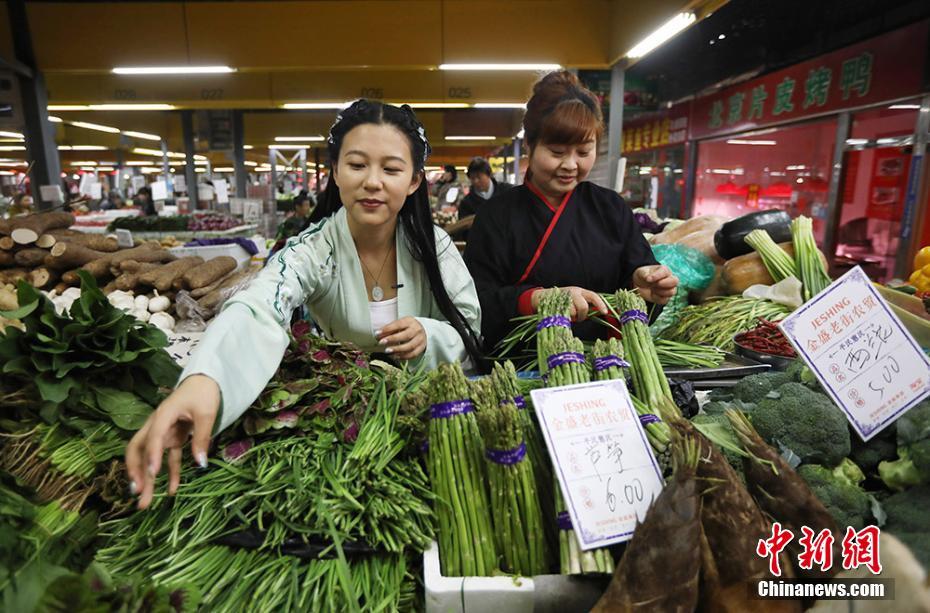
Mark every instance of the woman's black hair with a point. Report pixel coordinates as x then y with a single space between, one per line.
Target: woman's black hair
415 215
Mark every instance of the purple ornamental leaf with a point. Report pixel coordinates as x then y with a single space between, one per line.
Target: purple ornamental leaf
233 452
351 433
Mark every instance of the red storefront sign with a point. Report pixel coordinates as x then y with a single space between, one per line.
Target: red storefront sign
656 130
884 68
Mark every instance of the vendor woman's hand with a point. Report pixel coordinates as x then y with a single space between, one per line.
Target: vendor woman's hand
582 301
404 338
189 412
656 284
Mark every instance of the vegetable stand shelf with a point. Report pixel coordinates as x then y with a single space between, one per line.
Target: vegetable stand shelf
542 593
245 230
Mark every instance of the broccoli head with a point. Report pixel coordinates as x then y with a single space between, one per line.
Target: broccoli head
754 387
868 455
907 510
913 464
840 493
807 423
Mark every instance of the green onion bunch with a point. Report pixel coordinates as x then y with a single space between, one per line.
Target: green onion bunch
515 508
716 321
456 469
814 275
673 354
779 264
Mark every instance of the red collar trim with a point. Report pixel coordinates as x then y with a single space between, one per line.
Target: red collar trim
540 195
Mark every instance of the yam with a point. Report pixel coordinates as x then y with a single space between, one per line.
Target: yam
27 229
30 257
227 281
143 253
13 275
60 287
109 287
46 241
163 277
65 256
129 281
8 300
43 278
210 271
6 259
96 242
6 244
4 226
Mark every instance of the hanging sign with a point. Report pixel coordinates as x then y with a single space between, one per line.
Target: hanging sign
864 358
605 466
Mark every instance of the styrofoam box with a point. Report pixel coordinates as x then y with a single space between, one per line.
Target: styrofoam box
208 252
542 594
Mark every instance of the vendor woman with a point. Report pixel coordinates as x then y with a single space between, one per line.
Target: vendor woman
375 272
558 230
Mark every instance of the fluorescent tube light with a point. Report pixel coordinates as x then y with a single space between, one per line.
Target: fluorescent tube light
68 107
95 126
905 107
224 169
12 148
539 67
176 70
437 105
666 31
316 106
81 148
133 107
500 105
299 146
471 137
298 139
142 135
54 119
738 141
11 135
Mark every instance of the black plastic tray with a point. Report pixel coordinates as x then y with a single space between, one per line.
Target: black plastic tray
733 367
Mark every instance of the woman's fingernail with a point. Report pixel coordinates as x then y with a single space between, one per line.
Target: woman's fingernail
388 350
383 341
151 469
378 332
133 488
202 459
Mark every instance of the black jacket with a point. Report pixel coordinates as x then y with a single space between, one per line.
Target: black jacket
472 203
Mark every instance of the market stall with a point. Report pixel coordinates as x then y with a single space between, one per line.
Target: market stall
353 484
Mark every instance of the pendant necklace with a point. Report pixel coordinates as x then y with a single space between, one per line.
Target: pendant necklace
376 292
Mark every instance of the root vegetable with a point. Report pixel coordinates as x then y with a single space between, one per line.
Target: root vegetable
65 256
60 287
143 253
6 259
13 275
109 287
107 244
8 301
43 277
26 230
6 243
46 241
210 271
163 277
30 257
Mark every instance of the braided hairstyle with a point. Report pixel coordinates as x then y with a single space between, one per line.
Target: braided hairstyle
415 215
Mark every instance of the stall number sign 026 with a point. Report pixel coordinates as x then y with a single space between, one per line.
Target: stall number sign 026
605 466
860 352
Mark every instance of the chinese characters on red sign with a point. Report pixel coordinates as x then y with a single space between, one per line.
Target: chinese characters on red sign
859 548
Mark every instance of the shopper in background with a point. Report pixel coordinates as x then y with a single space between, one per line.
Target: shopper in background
558 230
483 187
23 204
143 200
374 272
112 201
447 190
295 224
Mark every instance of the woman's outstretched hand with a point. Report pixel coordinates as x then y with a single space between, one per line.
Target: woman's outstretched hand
582 302
189 412
404 338
656 284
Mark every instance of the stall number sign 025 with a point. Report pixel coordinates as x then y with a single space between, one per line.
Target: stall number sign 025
864 358
606 469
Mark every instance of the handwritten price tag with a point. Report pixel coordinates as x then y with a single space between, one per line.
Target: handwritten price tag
860 352
603 460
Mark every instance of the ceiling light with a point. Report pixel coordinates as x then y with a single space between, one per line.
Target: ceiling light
54 119
81 148
7 173
200 170
301 146
521 133
666 31
157 153
316 106
247 147
470 137
88 163
796 167
499 67
132 107
857 141
224 169
68 107
136 163
738 141
142 135
438 105
95 126
298 139
12 148
105 169
500 105
164 70
199 158
905 107
11 135
250 163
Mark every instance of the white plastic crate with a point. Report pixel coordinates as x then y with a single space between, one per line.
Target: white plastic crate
539 594
208 252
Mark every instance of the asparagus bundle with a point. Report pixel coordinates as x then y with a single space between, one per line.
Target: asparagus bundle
807 257
466 543
573 560
608 362
505 382
515 508
554 324
649 381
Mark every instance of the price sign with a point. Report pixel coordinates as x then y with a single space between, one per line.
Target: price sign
604 464
864 358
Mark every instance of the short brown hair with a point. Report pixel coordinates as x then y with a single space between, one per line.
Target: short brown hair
561 111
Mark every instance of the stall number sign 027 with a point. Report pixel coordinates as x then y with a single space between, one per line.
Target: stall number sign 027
864 358
606 469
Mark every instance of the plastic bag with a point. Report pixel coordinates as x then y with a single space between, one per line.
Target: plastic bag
694 270
786 292
191 316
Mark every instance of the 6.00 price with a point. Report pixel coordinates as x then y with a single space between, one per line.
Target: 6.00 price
632 492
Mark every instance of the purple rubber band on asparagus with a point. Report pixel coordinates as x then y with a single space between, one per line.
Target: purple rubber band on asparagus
564 521
565 358
424 448
634 315
506 457
608 362
649 418
444 410
554 321
520 402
